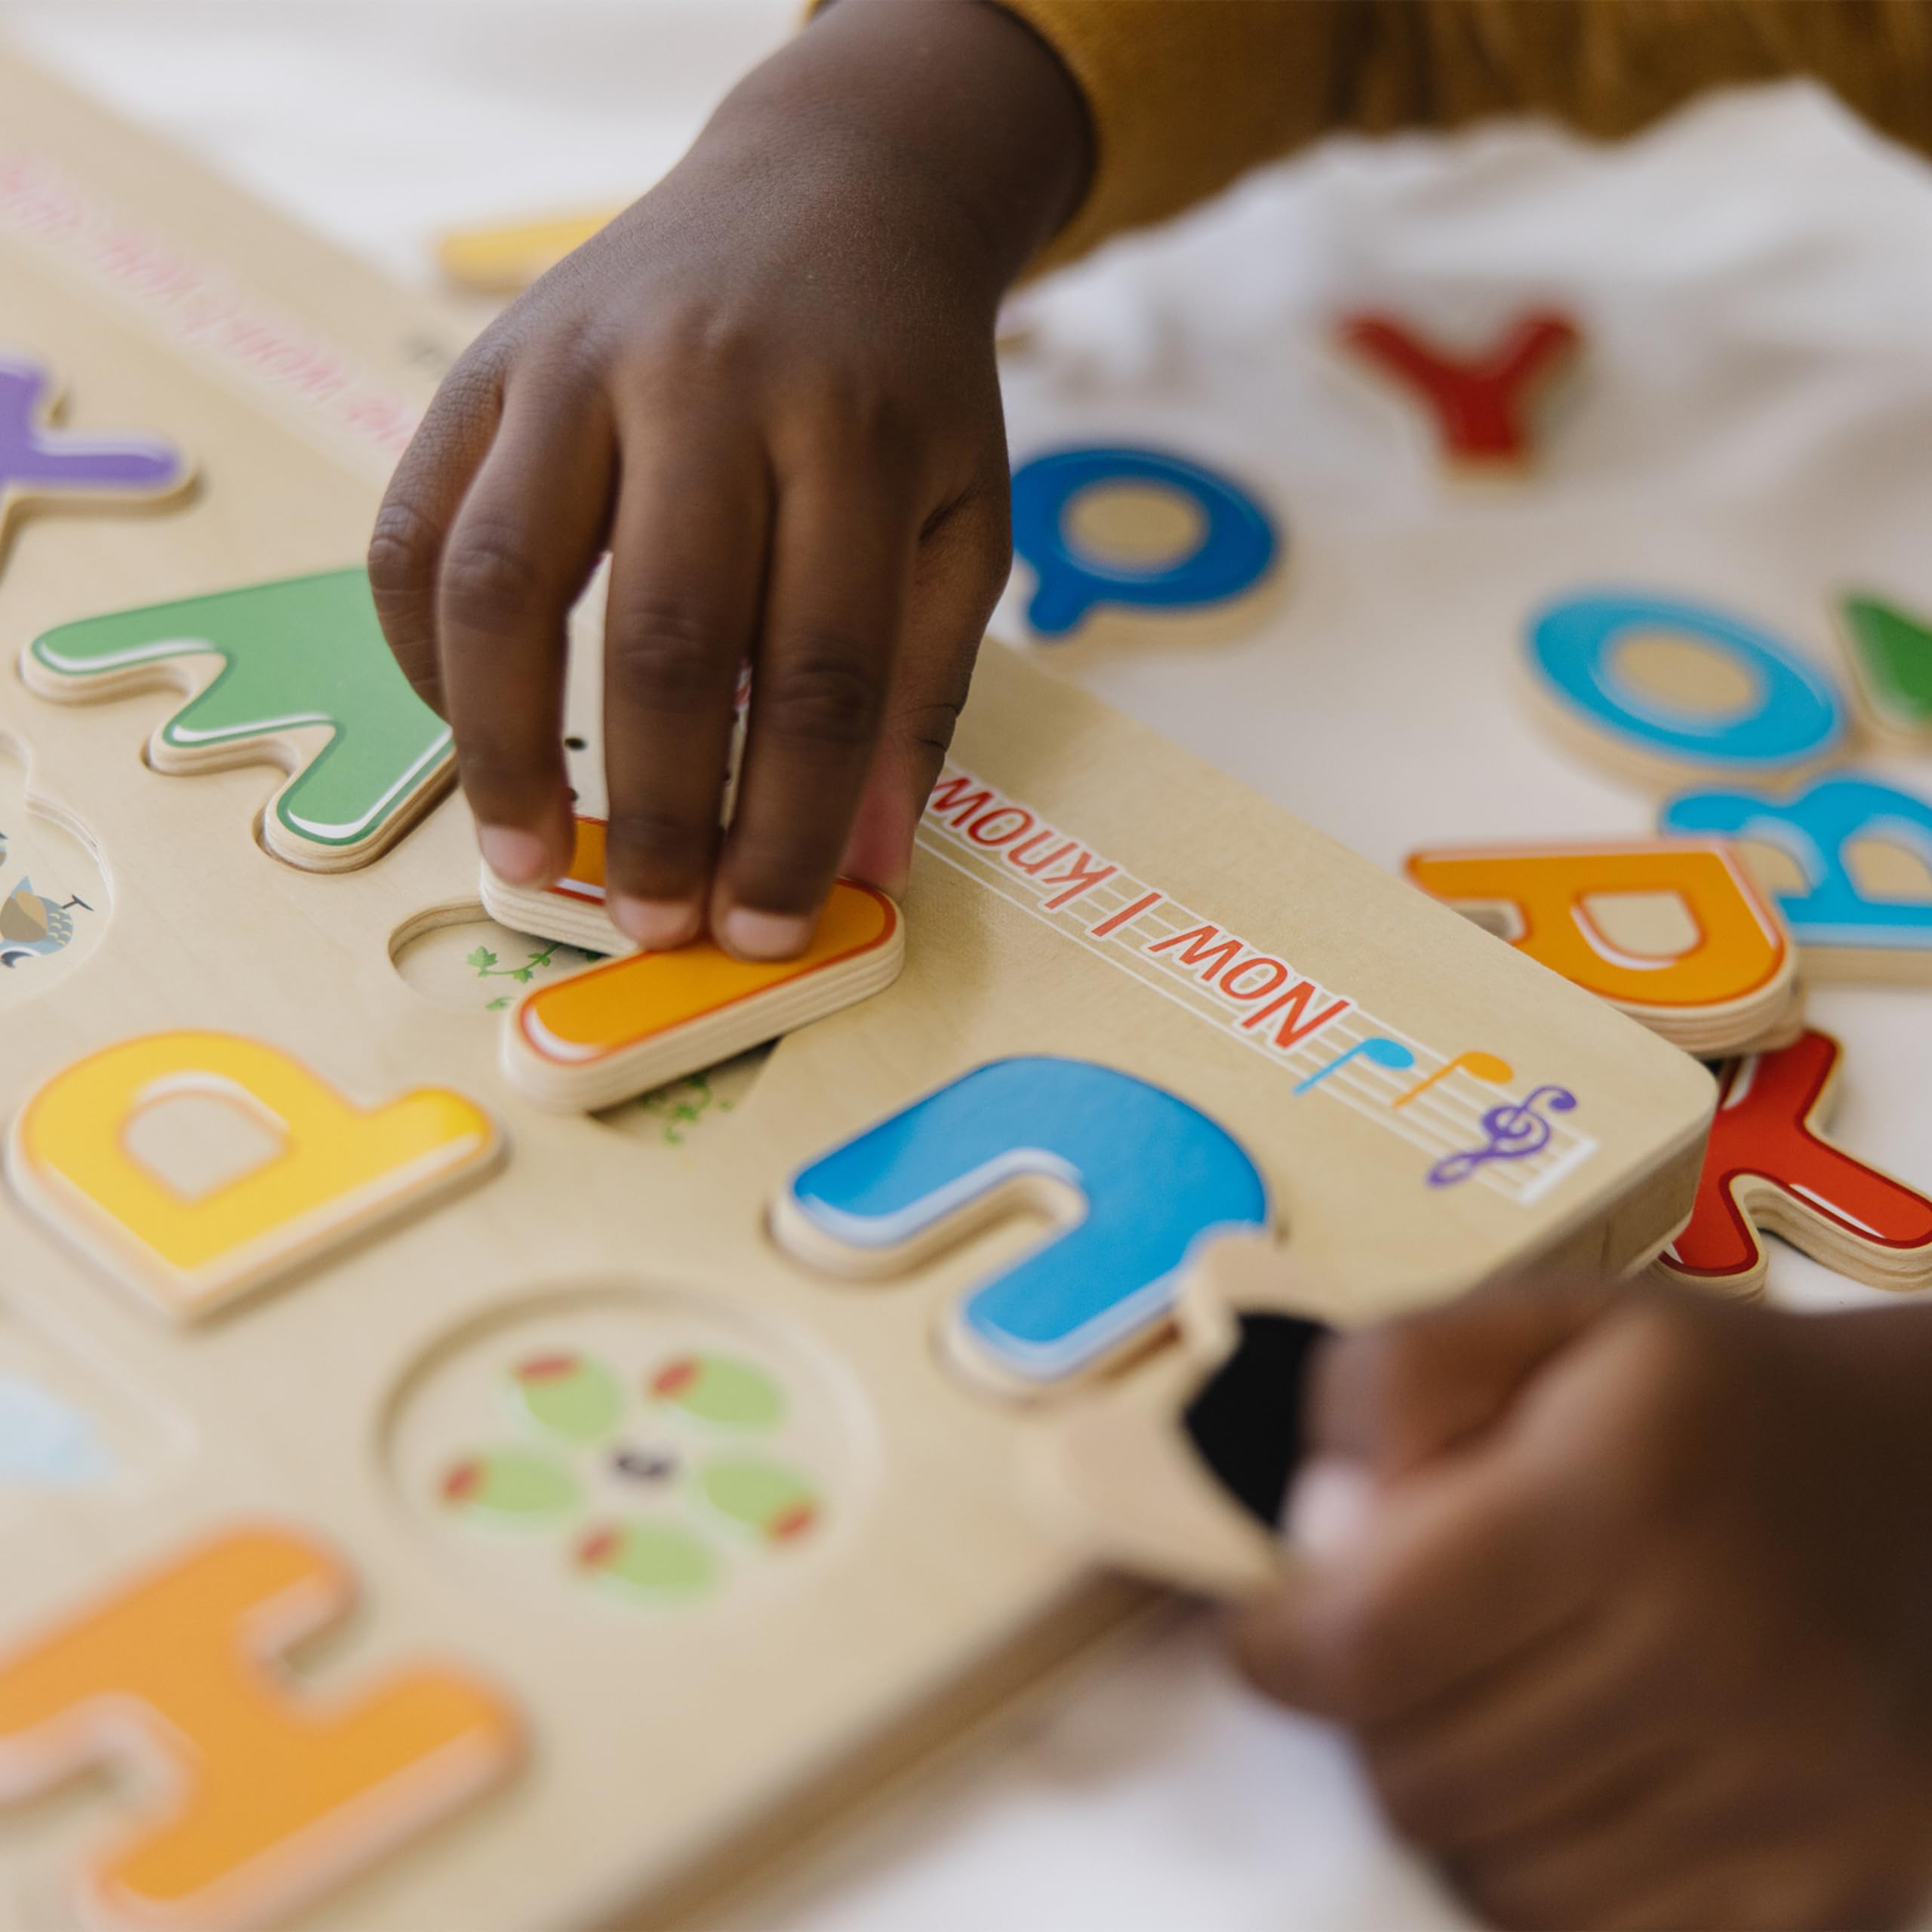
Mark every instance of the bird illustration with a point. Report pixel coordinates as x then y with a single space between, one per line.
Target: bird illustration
32 925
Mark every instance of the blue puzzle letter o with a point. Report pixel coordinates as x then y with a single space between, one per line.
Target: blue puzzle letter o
1793 717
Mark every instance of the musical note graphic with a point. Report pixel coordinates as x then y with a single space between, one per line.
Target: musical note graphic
1515 1133
1383 1052
1479 1065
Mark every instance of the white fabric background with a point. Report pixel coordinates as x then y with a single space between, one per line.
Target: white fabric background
1753 427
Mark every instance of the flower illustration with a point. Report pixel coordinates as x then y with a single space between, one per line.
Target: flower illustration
655 1489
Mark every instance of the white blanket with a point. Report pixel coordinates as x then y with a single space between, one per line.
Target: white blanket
1753 427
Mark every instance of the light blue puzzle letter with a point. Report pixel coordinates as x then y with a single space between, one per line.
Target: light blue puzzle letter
1816 829
1236 545
1793 715
1151 1175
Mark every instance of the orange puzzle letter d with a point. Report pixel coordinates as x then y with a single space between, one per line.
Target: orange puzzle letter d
257 1800
1551 897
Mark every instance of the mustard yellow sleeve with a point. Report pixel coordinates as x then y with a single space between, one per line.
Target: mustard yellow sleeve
1185 95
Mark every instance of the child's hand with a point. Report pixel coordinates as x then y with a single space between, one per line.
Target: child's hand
1632 1617
769 388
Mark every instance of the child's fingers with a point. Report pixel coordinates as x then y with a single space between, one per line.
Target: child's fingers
1543 1744
688 557
1461 1569
406 548
518 557
956 581
842 557
1701 1841
1393 1396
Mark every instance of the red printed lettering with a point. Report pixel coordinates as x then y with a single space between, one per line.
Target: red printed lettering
946 801
1115 920
979 831
1277 972
1294 1003
1064 849
1082 877
1199 948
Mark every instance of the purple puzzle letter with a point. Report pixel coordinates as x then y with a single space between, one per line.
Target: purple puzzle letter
35 460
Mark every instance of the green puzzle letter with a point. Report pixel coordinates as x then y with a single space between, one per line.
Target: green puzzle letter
306 651
1894 655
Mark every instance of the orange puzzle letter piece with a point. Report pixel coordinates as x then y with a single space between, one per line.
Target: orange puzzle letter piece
265 1799
635 1022
339 1170
1734 979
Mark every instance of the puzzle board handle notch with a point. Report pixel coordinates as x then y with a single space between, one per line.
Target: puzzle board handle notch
1181 1473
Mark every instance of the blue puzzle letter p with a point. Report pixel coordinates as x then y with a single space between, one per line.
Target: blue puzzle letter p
1133 1177
1232 550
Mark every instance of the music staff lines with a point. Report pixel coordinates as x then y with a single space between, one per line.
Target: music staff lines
1444 1106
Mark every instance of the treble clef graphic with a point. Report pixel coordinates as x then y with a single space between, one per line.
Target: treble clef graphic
1515 1133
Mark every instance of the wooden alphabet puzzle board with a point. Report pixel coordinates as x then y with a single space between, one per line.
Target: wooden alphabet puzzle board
535 1523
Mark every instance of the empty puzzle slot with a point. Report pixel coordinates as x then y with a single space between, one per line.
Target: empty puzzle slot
672 1114
458 957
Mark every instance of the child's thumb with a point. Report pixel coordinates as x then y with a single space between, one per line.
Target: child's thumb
1387 1399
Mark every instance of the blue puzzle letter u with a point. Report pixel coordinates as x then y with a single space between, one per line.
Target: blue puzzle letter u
1148 1176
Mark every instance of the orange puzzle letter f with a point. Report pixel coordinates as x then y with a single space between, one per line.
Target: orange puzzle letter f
266 1799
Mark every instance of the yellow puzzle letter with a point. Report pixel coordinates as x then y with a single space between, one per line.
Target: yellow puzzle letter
338 1170
257 1800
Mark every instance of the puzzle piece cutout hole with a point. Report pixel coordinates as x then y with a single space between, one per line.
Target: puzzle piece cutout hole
1648 925
458 958
670 1115
198 1143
